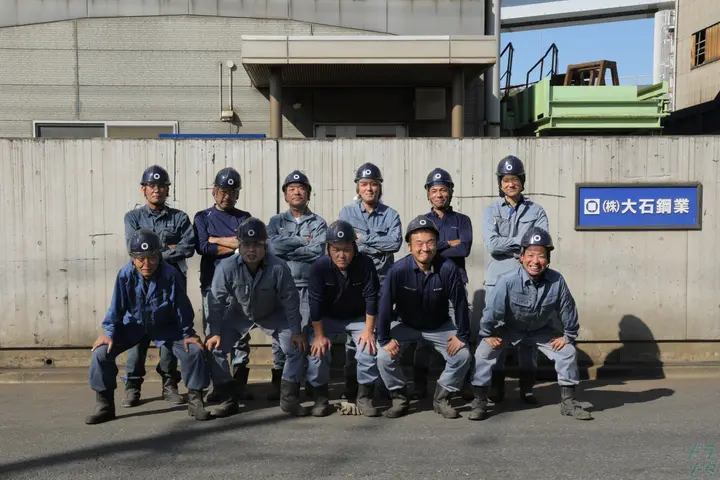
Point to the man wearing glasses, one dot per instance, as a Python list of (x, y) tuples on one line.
[(177, 242), (216, 239), (149, 303), (255, 289)]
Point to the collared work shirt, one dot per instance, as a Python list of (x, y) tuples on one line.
[(298, 241), (520, 304), (171, 225), (454, 226), (213, 222), (332, 294), (380, 233), (422, 300), (269, 298), (158, 307), (503, 229)]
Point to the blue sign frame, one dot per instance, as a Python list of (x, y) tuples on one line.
[(638, 206)]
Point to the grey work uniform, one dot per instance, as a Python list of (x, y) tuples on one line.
[(298, 241), (503, 228), (520, 310), (240, 301)]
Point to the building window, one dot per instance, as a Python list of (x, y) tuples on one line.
[(705, 46), (109, 129)]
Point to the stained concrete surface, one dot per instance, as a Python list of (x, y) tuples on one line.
[(642, 429)]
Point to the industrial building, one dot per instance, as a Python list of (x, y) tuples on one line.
[(697, 83), (279, 68)]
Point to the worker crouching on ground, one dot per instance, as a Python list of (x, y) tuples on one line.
[(519, 310), (254, 288), (343, 295), (149, 303), (421, 285)]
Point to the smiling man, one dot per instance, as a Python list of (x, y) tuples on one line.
[(505, 222), (298, 237), (519, 310), (455, 243), (378, 232), (420, 287)]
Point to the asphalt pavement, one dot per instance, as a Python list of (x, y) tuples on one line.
[(648, 429)]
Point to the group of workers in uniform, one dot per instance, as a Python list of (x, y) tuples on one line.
[(304, 282)]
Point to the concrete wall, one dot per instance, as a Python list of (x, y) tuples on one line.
[(62, 204), (701, 84), (400, 17), (166, 69)]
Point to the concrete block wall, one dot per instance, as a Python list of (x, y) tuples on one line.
[(62, 204)]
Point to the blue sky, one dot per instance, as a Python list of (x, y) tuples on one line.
[(629, 43)]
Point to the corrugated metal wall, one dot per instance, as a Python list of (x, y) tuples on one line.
[(62, 205)]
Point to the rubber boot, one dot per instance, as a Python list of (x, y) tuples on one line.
[(213, 396), (309, 390), (132, 396), (351, 388), (381, 391), (228, 400), (170, 392), (321, 396), (569, 405), (498, 386), (527, 381), (104, 408), (240, 375), (400, 403), (466, 392), (365, 400), (196, 408), (420, 382), (441, 403), (290, 399), (274, 396), (479, 404)]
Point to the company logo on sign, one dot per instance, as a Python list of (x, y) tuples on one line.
[(591, 206)]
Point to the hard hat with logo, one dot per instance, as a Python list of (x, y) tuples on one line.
[(439, 177), (252, 230), (228, 178), (368, 171), (155, 175), (421, 222), (340, 231), (537, 236), (296, 176), (144, 243)]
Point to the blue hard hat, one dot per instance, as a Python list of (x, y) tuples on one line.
[(537, 236), (155, 175), (438, 176), (229, 178), (340, 231), (368, 171), (296, 176), (252, 230), (421, 222), (144, 242)]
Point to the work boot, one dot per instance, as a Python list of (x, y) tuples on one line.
[(132, 396), (479, 404), (351, 388), (240, 375), (196, 408), (569, 406), (321, 396), (170, 392), (420, 382), (290, 399), (381, 391), (274, 396), (498, 386), (213, 396), (441, 403), (309, 390), (228, 400), (466, 392), (104, 408), (400, 403), (527, 381), (365, 400)]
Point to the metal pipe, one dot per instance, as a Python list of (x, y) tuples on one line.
[(230, 87)]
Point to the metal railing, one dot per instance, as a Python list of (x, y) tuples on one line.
[(553, 52), (507, 75)]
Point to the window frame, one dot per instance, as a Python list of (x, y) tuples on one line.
[(105, 124), (712, 31)]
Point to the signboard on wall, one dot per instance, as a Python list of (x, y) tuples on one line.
[(638, 206)]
